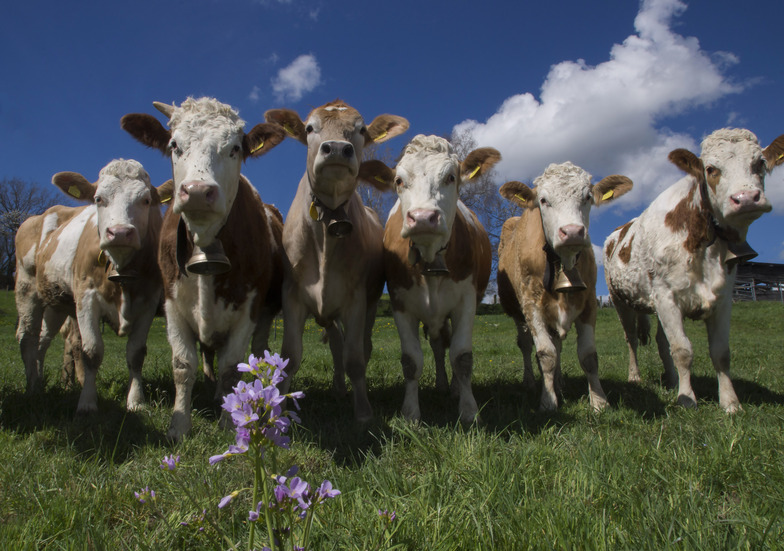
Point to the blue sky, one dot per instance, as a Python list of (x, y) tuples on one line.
[(612, 86)]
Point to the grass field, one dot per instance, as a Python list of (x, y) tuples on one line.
[(645, 474)]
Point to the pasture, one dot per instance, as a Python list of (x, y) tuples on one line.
[(645, 474)]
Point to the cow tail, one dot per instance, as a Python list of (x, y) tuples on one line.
[(643, 329)]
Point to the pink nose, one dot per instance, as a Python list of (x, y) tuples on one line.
[(337, 149), (198, 195), (745, 199), (422, 220), (120, 235), (571, 233)]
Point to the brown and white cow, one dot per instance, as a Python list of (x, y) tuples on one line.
[(550, 240), (678, 258), (437, 261), (333, 243), (94, 263), (222, 294)]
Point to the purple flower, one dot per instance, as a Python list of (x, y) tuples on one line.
[(253, 516), (325, 491), (227, 499), (244, 416), (144, 495), (170, 462), (275, 360), (386, 516)]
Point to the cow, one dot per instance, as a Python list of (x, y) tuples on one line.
[(437, 261), (333, 243), (93, 263), (679, 257), (547, 272), (220, 252)]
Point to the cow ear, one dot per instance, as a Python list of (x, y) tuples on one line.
[(289, 121), (610, 188), (479, 162), (377, 174), (165, 191), (385, 127), (261, 139), (688, 162), (774, 153), (148, 130), (75, 186), (519, 193)]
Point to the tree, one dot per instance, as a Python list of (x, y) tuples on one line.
[(18, 201)]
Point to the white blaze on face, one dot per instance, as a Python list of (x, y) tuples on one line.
[(564, 198), (427, 180), (735, 172), (336, 139), (206, 154), (123, 199)]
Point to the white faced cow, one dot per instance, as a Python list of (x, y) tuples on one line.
[(678, 258), (220, 251), (437, 261), (550, 241), (333, 243), (94, 263)]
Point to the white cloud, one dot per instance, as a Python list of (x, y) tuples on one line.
[(604, 117), (598, 254), (774, 189), (295, 80), (254, 94)]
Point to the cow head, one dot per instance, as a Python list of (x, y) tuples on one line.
[(428, 179), (335, 135), (127, 205), (207, 145), (731, 171), (564, 196)]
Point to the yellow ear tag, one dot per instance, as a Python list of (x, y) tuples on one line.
[(607, 195), (470, 176), (73, 191), (288, 130), (313, 211), (166, 199), (255, 149), (780, 157), (380, 136), (522, 199), (380, 179), (102, 258)]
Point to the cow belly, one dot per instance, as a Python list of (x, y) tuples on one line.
[(211, 319)]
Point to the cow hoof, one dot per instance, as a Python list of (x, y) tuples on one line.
[(689, 402), (139, 406), (634, 378), (180, 426), (411, 415), (732, 408), (599, 404)]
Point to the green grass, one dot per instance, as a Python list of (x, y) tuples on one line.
[(646, 474)]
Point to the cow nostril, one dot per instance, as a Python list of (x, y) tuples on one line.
[(326, 149), (433, 218), (348, 151)]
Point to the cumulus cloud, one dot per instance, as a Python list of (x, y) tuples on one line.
[(298, 78), (604, 117), (254, 94), (774, 189)]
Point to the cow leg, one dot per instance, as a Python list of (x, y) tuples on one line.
[(628, 318), (411, 360), (184, 364), (28, 332), (89, 320), (355, 332), (208, 362), (294, 316), (335, 338), (135, 352), (670, 373), (438, 346), (525, 343), (589, 361), (718, 326), (261, 333), (73, 365), (228, 357), (546, 355), (462, 359), (671, 321)]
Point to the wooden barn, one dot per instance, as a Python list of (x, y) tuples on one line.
[(759, 281)]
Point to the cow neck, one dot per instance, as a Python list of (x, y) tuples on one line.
[(437, 267), (556, 278), (737, 251), (336, 221)]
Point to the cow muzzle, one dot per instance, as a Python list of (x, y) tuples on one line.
[(197, 196)]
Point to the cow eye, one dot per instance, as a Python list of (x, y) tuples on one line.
[(759, 166), (711, 170), (363, 130), (309, 129), (399, 181), (234, 150), (175, 148), (98, 200), (543, 202), (450, 179)]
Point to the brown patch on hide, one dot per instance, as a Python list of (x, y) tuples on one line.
[(609, 248), (686, 217), (625, 254)]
